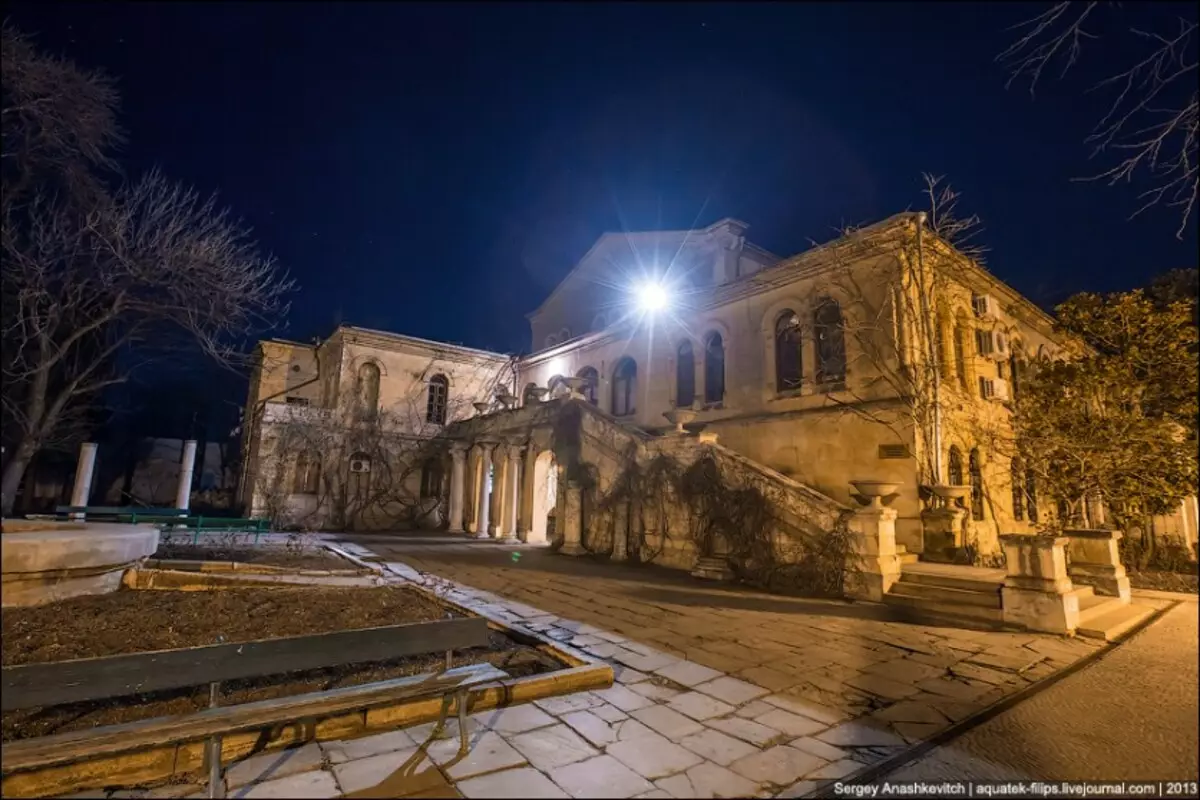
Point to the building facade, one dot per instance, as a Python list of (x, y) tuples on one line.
[(885, 355)]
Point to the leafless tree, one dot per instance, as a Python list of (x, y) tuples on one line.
[(1151, 125), (97, 281)]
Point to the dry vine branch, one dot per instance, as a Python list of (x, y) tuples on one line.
[(1152, 121)]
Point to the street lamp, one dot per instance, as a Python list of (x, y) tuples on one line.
[(652, 296)]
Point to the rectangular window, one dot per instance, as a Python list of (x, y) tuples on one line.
[(983, 343), (987, 388)]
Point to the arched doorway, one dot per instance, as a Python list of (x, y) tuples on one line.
[(545, 497)]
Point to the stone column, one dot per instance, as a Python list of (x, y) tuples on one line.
[(1096, 561), (183, 494), (1038, 594), (458, 489), (496, 528), (481, 491), (572, 520), (512, 492), (872, 565), (526, 495), (82, 489)]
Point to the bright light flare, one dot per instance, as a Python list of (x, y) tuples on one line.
[(652, 296)]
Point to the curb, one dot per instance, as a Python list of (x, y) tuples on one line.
[(875, 772)]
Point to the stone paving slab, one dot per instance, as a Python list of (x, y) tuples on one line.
[(718, 691)]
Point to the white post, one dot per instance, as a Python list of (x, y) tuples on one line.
[(481, 505), (187, 462), (458, 469), (512, 492), (82, 489), (497, 524)]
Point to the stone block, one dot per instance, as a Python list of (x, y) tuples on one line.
[(565, 704), (525, 782), (365, 773), (343, 750), (881, 686), (790, 724), (861, 734), (732, 691), (623, 698), (753, 732), (270, 766), (806, 708), (688, 673), (707, 781), (780, 765), (1096, 561), (819, 749), (602, 776), (609, 713), (602, 733), (659, 694), (550, 748), (700, 706), (653, 756), (515, 719), (717, 747), (314, 783), (486, 753), (667, 721)]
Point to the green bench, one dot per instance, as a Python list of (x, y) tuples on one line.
[(172, 519)]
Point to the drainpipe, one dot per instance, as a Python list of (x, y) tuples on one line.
[(930, 351)]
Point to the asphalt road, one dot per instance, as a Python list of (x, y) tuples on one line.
[(1131, 715)]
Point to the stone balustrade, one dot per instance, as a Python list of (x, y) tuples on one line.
[(1095, 560)]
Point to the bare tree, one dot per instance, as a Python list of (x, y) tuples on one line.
[(1151, 125), (96, 282)]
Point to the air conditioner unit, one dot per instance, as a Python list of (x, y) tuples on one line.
[(360, 465), (985, 306)]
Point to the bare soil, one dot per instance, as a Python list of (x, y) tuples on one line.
[(1165, 581), (274, 556), (140, 621)]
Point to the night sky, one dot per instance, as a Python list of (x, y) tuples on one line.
[(436, 170)]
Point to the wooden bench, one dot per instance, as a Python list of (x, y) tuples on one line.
[(50, 684)]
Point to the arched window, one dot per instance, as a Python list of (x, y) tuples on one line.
[(1031, 496), (955, 467), (360, 476), (591, 384), (624, 388), (368, 389), (960, 356), (787, 351), (528, 395), (714, 368), (973, 464), (685, 376), (431, 477), (1018, 490), (830, 341), (435, 404), (308, 473)]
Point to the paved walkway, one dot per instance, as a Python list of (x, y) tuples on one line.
[(1131, 715), (719, 691)]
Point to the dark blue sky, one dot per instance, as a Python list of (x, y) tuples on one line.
[(435, 170)]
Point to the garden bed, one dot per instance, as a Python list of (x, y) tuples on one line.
[(263, 555), (141, 621), (1165, 580)]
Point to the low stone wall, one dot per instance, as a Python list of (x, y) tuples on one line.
[(46, 561)]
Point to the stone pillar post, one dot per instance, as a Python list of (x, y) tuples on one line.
[(458, 489), (183, 494), (872, 565), (481, 493), (82, 489), (1096, 561), (1038, 594), (572, 520), (512, 492), (496, 520), (942, 533)]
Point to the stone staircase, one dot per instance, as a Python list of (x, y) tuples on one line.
[(935, 592)]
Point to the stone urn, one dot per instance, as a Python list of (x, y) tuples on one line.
[(506, 399), (575, 386), (874, 492), (949, 494), (680, 417), (482, 407), (538, 393)]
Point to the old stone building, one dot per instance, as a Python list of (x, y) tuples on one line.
[(884, 355)]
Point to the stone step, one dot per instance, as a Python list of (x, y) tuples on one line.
[(988, 597), (1092, 605), (970, 579), (924, 610), (1113, 626), (909, 558)]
